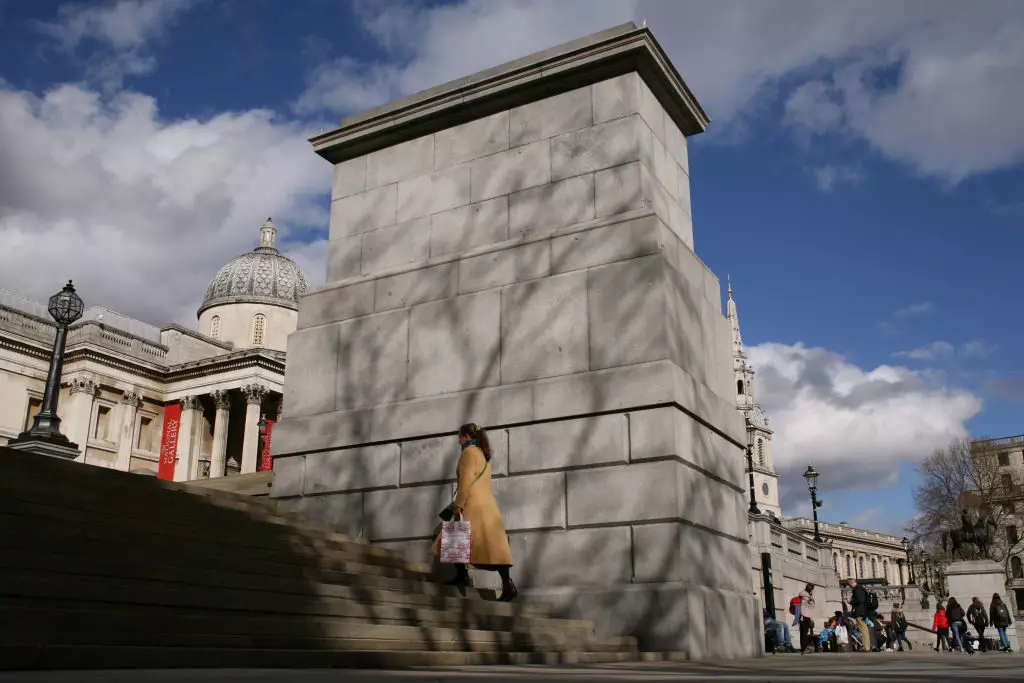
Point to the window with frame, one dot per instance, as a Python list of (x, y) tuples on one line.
[(1012, 536), (259, 329), (1016, 568), (885, 569), (215, 327), (1004, 459), (34, 406), (760, 452), (849, 566), (874, 568), (101, 428), (860, 567), (739, 386), (1006, 481), (835, 561), (147, 439)]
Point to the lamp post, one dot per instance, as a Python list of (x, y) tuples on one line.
[(45, 436), (910, 564), (753, 509), (262, 425), (927, 570), (811, 475)]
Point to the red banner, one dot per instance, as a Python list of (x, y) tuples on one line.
[(169, 441), (266, 462)]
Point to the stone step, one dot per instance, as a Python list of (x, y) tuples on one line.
[(22, 532), (80, 627), (254, 484), (51, 589), (117, 568), (255, 537), (86, 657)]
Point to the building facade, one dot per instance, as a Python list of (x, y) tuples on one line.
[(181, 403), (858, 553), (1000, 465)]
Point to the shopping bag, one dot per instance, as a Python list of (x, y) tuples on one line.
[(456, 543)]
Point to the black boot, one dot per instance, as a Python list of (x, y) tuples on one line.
[(461, 579), (508, 589)]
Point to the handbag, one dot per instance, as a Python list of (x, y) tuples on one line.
[(456, 543), (448, 513)]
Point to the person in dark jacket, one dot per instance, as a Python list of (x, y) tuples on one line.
[(859, 606), (955, 617), (999, 613), (978, 618)]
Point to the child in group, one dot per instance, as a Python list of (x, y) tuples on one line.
[(898, 629), (940, 624)]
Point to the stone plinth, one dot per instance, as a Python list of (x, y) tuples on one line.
[(982, 578), (516, 249), (53, 448)]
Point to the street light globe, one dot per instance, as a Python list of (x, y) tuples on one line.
[(906, 543), (811, 475), (66, 306)]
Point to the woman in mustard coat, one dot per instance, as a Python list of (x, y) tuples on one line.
[(475, 503)]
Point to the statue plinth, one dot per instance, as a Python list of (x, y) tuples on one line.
[(981, 578)]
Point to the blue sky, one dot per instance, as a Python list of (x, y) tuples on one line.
[(861, 181)]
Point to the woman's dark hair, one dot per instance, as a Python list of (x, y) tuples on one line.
[(996, 598), (476, 433), (952, 603)]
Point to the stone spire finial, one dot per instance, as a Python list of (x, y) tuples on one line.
[(268, 234)]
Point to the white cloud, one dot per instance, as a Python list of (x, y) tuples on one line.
[(829, 176), (139, 211), (949, 111), (854, 425), (933, 351), (914, 310), (122, 31), (978, 348)]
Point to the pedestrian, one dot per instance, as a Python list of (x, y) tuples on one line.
[(475, 503), (898, 628), (860, 607), (955, 616), (809, 613), (978, 618), (940, 624), (1001, 620), (780, 631)]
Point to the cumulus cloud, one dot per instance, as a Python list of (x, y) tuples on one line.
[(854, 425), (938, 349), (829, 176), (141, 211), (935, 84), (120, 32), (914, 310), (978, 348)]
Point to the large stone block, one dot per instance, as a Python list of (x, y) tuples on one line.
[(437, 459), (654, 155), (569, 443), (402, 161), (455, 344), (288, 474), (534, 501), (599, 246), (468, 227), (373, 357), (577, 557), (613, 389), (408, 512), (710, 503), (471, 140), (595, 148), (551, 116), (342, 512), (363, 212), (312, 357), (670, 433), (685, 304), (416, 287), (666, 552), (396, 245), (623, 494), (616, 97), (441, 414), (433, 192), (335, 304), (512, 170), (551, 206), (304, 433), (349, 178), (544, 328), (352, 469), (504, 267), (344, 258), (627, 310)]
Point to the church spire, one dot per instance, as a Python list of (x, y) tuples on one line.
[(734, 322)]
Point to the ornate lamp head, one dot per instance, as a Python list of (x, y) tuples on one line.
[(66, 306)]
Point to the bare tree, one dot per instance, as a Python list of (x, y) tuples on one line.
[(972, 475)]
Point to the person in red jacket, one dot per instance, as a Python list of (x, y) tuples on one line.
[(940, 624)]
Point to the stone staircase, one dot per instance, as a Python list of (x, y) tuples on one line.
[(101, 569)]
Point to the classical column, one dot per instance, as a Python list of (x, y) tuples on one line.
[(186, 438), (129, 406), (218, 457), (78, 412), (254, 394)]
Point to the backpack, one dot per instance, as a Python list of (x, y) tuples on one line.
[(872, 601), (793, 604), (1003, 614), (899, 621)]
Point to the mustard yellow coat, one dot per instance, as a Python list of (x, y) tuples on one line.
[(480, 509)]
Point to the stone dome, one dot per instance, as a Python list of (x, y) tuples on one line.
[(263, 275)]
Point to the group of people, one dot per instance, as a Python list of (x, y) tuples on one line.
[(953, 618), (863, 629)]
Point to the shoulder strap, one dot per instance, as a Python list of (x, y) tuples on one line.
[(487, 463)]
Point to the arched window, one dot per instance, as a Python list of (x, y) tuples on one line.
[(849, 566), (874, 568), (259, 329), (835, 561), (1015, 568), (860, 567), (215, 327), (739, 386), (885, 569), (760, 452)]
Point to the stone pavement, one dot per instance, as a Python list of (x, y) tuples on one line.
[(923, 668)]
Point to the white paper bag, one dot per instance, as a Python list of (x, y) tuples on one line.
[(456, 543)]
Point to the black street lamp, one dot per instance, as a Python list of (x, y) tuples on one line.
[(811, 475), (753, 509), (66, 307), (910, 565)]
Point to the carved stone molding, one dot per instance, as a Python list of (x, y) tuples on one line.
[(221, 398), (254, 393), (189, 402), (84, 385), (131, 398)]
